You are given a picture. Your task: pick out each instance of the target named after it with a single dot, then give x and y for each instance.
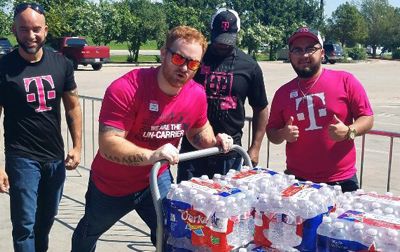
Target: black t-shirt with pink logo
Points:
(228, 82)
(31, 94)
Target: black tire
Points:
(324, 60)
(332, 61)
(97, 66)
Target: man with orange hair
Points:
(143, 117)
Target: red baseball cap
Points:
(306, 32)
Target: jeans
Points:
(35, 192)
(103, 211)
(209, 166)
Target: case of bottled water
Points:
(207, 215)
(361, 222)
(287, 214)
(262, 210)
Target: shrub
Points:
(356, 53)
(396, 54)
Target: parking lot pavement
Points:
(380, 78)
(128, 234)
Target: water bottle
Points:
(309, 210)
(357, 206)
(264, 185)
(219, 228)
(202, 210)
(339, 211)
(321, 203)
(217, 177)
(377, 211)
(178, 235)
(390, 194)
(291, 221)
(323, 233)
(290, 176)
(338, 190)
(172, 190)
(375, 205)
(282, 227)
(389, 212)
(370, 237)
(357, 232)
(234, 238)
(390, 241)
(359, 192)
(338, 235)
(260, 237)
(232, 171)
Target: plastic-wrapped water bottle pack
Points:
(262, 210)
(362, 222)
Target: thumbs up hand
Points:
(337, 129)
(290, 132)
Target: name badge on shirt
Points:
(294, 94)
(153, 106)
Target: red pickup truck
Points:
(80, 53)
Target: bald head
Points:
(28, 14)
(30, 30)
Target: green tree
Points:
(182, 15)
(5, 23)
(392, 38)
(375, 13)
(259, 34)
(284, 16)
(347, 25)
(106, 24)
(141, 21)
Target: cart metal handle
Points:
(155, 192)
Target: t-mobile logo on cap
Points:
(40, 95)
(303, 29)
(225, 25)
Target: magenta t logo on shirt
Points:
(40, 95)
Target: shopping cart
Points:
(155, 192)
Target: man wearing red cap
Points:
(318, 114)
(229, 77)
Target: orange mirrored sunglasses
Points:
(179, 60)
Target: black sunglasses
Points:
(23, 6)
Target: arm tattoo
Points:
(69, 119)
(126, 160)
(104, 128)
(197, 139)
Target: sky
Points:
(331, 5)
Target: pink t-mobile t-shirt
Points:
(136, 104)
(314, 156)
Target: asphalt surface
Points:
(380, 79)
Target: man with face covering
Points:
(229, 77)
(33, 81)
(318, 114)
